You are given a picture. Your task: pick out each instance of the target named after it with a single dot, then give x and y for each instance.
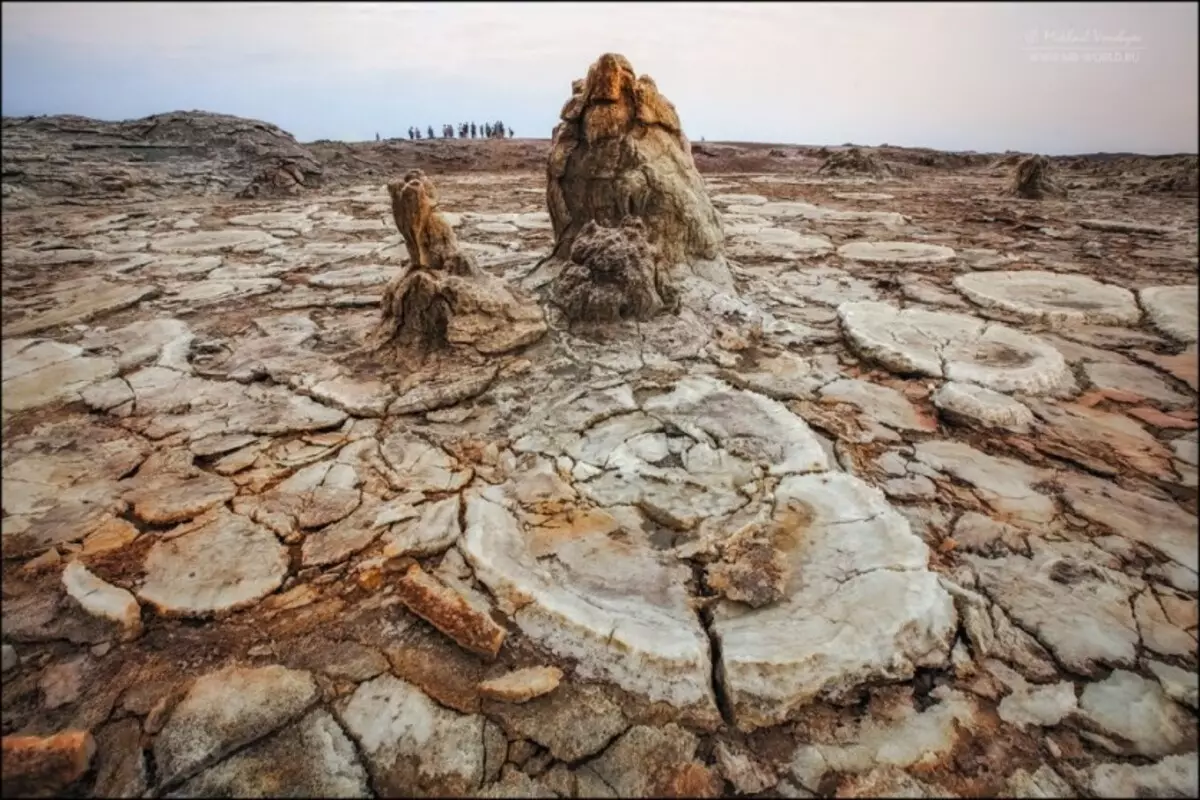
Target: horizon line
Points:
(4, 116)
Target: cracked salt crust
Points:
(955, 346)
(1057, 299)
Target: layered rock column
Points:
(444, 300)
(619, 154)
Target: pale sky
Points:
(950, 76)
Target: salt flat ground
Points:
(992, 428)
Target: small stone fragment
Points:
(449, 612)
(436, 529)
(103, 600)
(1136, 711)
(1043, 783)
(1173, 776)
(522, 685)
(1135, 380)
(61, 684)
(1159, 419)
(1173, 310)
(43, 767)
(743, 770)
(112, 535)
(880, 403)
(1180, 685)
(1038, 705)
(981, 406)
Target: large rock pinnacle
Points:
(620, 152)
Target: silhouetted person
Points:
(429, 131)
(510, 133)
(417, 134)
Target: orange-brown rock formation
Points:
(428, 237)
(43, 767)
(443, 299)
(620, 152)
(1032, 180)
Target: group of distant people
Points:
(465, 130)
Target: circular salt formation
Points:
(534, 221)
(573, 547)
(283, 220)
(1058, 300)
(225, 564)
(872, 196)
(983, 259)
(780, 243)
(238, 240)
(618, 608)
(575, 558)
(352, 276)
(787, 209)
(982, 406)
(826, 285)
(1121, 226)
(860, 604)
(739, 199)
(954, 346)
(213, 291)
(496, 227)
(1173, 310)
(896, 252)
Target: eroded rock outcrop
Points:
(614, 274)
(620, 152)
(180, 152)
(444, 300)
(282, 179)
(1032, 180)
(853, 162)
(428, 237)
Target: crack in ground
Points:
(1137, 626)
(716, 662)
(1020, 625)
